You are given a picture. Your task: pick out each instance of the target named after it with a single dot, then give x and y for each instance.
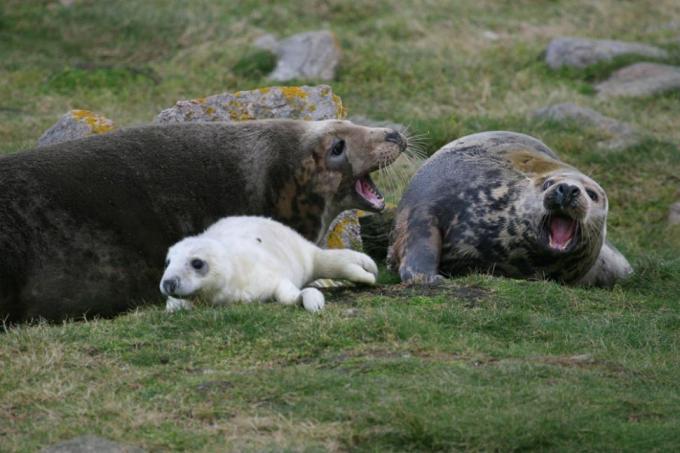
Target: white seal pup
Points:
(248, 259)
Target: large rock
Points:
(674, 214)
(304, 102)
(581, 52)
(620, 135)
(305, 56)
(75, 124)
(641, 79)
(91, 444)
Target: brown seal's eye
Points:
(593, 196)
(338, 148)
(548, 183)
(197, 264)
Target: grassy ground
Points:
(481, 364)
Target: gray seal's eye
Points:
(593, 196)
(547, 184)
(197, 264)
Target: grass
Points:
(480, 364)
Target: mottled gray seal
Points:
(85, 224)
(503, 202)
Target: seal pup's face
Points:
(574, 211)
(194, 266)
(346, 154)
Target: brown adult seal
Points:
(503, 202)
(85, 224)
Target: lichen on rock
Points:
(293, 102)
(76, 124)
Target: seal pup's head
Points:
(194, 266)
(345, 154)
(573, 211)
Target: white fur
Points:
(251, 259)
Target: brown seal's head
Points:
(345, 154)
(574, 211)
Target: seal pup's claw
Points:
(312, 299)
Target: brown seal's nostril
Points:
(395, 137)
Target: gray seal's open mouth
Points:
(561, 231)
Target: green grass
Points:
(479, 364)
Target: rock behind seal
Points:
(305, 56)
(91, 444)
(640, 79)
(619, 135)
(303, 103)
(674, 214)
(75, 124)
(582, 52)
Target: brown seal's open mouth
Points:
(561, 232)
(369, 194)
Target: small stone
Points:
(490, 35)
(641, 79)
(75, 124)
(267, 42)
(674, 214)
(295, 102)
(91, 444)
(310, 55)
(582, 52)
(621, 135)
(345, 232)
(581, 358)
(351, 312)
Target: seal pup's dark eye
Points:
(548, 183)
(338, 148)
(593, 196)
(197, 264)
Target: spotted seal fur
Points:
(504, 203)
(85, 224)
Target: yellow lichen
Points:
(209, 110)
(199, 100)
(340, 110)
(98, 124)
(264, 90)
(335, 236)
(293, 93)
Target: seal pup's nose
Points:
(395, 137)
(170, 286)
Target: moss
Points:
(98, 124)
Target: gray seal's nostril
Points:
(395, 137)
(170, 285)
(565, 194)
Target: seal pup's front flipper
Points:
(345, 264)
